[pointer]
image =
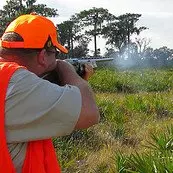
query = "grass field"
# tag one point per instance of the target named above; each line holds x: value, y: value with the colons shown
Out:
x: 135, y: 133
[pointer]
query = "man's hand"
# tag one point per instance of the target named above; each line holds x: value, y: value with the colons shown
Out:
x: 89, y: 71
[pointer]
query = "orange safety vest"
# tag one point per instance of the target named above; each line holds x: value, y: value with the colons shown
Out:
x: 40, y: 155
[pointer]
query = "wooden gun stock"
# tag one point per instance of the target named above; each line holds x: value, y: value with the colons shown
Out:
x: 51, y: 77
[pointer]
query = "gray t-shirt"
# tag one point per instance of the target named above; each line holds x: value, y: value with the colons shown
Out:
x: 37, y: 109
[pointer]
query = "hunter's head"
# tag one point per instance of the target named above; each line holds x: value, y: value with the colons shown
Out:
x: 32, y: 41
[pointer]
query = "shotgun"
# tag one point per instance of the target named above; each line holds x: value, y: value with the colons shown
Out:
x: 79, y: 65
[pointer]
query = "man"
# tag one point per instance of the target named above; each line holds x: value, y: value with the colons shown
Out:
x: 35, y: 110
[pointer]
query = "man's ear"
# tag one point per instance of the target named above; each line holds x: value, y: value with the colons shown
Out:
x: 41, y: 58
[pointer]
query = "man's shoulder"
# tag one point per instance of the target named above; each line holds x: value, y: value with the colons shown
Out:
x: 22, y: 78
x: 22, y: 73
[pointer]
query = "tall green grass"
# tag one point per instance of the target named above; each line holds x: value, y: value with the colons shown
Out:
x: 106, y: 80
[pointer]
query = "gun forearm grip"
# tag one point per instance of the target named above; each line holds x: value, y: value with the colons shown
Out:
x: 80, y: 69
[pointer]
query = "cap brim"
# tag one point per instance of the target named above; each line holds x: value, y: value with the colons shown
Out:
x: 61, y: 48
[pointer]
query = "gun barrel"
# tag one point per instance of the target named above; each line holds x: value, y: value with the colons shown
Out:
x: 102, y: 59
x: 85, y: 60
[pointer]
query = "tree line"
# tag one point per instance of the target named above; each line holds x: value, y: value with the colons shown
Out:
x: 85, y: 26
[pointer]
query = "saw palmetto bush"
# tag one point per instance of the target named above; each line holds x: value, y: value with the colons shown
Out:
x: 158, y: 159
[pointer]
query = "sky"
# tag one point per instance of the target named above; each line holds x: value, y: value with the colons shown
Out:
x: 157, y: 15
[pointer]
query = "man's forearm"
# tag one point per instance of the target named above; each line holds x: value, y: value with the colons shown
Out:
x: 89, y: 111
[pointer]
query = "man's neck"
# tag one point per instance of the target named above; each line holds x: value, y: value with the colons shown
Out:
x: 30, y: 67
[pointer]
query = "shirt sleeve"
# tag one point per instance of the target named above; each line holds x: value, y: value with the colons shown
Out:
x: 37, y: 109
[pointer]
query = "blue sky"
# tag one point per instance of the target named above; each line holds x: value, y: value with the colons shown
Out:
x: 157, y: 15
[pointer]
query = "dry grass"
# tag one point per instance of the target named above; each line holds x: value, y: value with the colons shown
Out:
x: 127, y: 122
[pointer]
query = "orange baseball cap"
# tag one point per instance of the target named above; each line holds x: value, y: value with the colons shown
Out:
x: 35, y: 31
